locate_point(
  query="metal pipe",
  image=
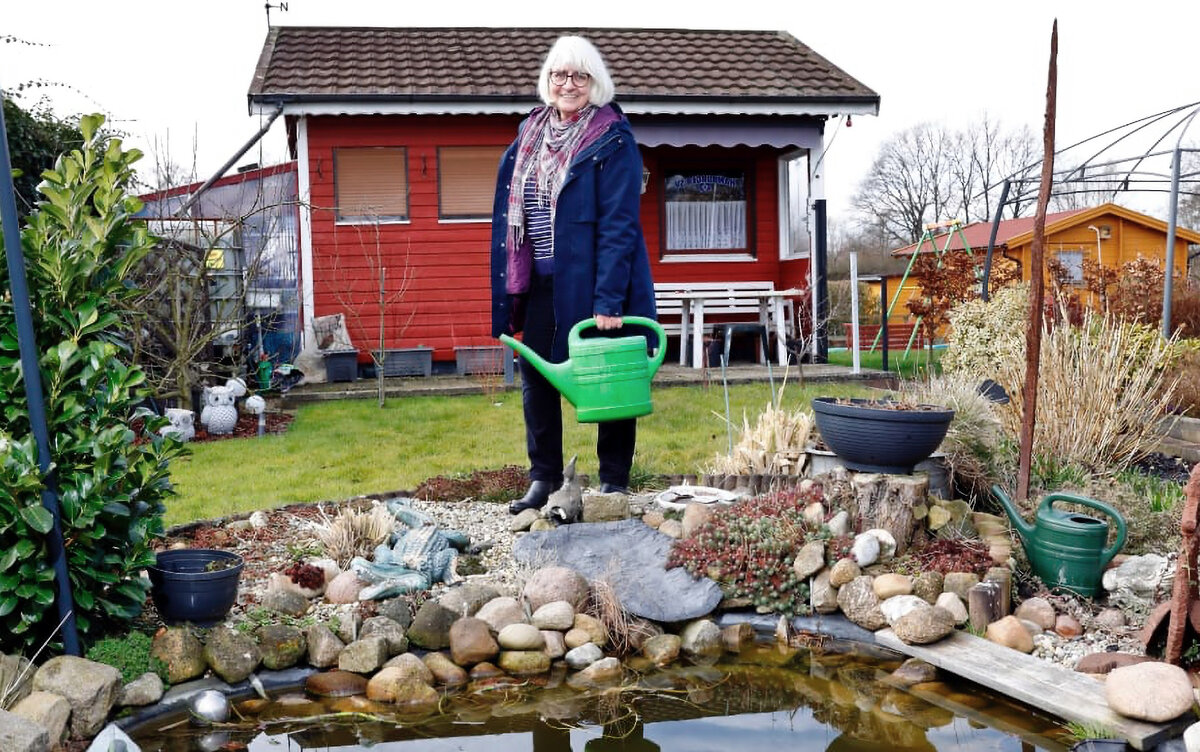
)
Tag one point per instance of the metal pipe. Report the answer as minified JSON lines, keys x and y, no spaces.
{"x":987,"y":263}
{"x":27,"y":345}
{"x":821,"y":324}
{"x":1099,"y":253}
{"x":229,"y":163}
{"x":1172,"y":218}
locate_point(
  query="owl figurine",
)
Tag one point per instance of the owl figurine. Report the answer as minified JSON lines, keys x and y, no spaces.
{"x":219,"y":415}
{"x":182,"y":425}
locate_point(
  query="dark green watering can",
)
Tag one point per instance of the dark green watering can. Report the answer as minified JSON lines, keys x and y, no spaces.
{"x":1066,"y":549}
{"x":605,"y":378}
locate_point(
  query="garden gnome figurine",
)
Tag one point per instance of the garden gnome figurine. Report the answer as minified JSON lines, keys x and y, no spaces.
{"x":566,"y":504}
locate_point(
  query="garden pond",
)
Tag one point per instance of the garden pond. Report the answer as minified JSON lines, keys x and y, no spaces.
{"x":822,"y":697}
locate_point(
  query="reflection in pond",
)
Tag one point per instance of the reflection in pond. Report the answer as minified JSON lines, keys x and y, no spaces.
{"x":766,"y":698}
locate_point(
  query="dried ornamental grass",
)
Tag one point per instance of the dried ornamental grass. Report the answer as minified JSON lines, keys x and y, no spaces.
{"x":355,"y":532}
{"x":1102,"y":391}
{"x":774,"y":445}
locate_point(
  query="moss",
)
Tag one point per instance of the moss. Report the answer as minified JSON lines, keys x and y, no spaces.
{"x":129,"y":654}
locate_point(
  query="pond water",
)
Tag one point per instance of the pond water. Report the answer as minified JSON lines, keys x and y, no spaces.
{"x":767,"y":698}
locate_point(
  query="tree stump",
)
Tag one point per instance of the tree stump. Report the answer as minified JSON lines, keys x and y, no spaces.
{"x":887,"y":501}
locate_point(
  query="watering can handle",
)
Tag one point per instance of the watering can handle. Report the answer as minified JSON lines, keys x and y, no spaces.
{"x":1107,"y":554}
{"x":660,"y":352}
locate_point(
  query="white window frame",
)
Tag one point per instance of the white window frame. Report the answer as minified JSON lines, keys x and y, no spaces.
{"x":795,"y":190}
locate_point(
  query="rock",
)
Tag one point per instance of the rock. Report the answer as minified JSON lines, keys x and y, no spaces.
{"x":521,"y":637}
{"x":181,"y":651}
{"x":467,"y":598}
{"x":16,"y":676}
{"x":550,"y":584}
{"x":19,"y":734}
{"x":282,"y":646}
{"x":576,"y":637}
{"x":839,"y":524}
{"x":484,"y":670}
{"x":287,"y":602}
{"x":887,"y":543}
{"x":556,"y":646}
{"x":924,"y":625}
{"x":899,"y":605}
{"x":500,"y":612}
{"x":865,"y":549}
{"x":891,"y":584}
{"x":49,"y":711}
{"x":695,"y":515}
{"x":1152,"y":691}
{"x":960,"y":583}
{"x":843,"y":571}
{"x":336,"y":683}
{"x":612,"y":507}
{"x":1037,"y":610}
{"x":858,"y":602}
{"x":388,"y":629}
{"x":1191,"y":738}
{"x":524,"y":520}
{"x":583,"y":656}
{"x":147,"y":689}
{"x":653,"y":518}
{"x":632,"y":557}
{"x":444,"y":670}
{"x":1110,"y":618}
{"x":323,"y":646}
{"x":1104,"y":662}
{"x":280,"y":582}
{"x":344,"y":588}
{"x":349,"y":621}
{"x":595,"y":629}
{"x":672,"y":529}
{"x":471,"y":642}
{"x":814,"y":514}
{"x":810,"y":559}
{"x":736,"y":637}
{"x":1138,"y":576}
{"x":412,"y":667}
{"x":1068,"y":626}
{"x":914,"y":671}
{"x":363,"y":656}
{"x":701,"y":637}
{"x":91,"y":689}
{"x":400,"y":609}
{"x":554,"y":615}
{"x":386,"y":686}
{"x":541,"y":525}
{"x":955,"y":606}
{"x":822,"y":596}
{"x":231,"y":655}
{"x":662,"y":649}
{"x":1010,"y":633}
{"x":431,"y":626}
{"x":928,"y":586}
{"x":603,"y":671}
{"x":524,"y":662}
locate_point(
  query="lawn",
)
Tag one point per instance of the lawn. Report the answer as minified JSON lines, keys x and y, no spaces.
{"x":339,"y":449}
{"x":914,"y":363}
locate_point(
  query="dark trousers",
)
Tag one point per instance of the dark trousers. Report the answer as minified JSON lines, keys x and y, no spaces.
{"x":615,"y":439}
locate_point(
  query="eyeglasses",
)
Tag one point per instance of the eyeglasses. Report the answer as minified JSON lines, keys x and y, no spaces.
{"x":558,"y":77}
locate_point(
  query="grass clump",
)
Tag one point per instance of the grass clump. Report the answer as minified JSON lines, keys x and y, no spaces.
{"x":129,"y":654}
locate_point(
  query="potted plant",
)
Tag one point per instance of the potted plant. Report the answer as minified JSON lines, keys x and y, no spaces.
{"x":197,"y":585}
{"x":880,"y":436}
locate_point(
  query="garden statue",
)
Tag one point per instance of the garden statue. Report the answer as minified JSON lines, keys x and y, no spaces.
{"x":182,"y":425}
{"x":219,"y":415}
{"x":412,"y":560}
{"x":566,"y":504}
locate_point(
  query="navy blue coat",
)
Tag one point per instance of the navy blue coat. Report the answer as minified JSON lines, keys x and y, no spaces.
{"x":600,"y":259}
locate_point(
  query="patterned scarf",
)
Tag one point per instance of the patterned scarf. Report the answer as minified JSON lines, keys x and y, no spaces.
{"x":545,"y":149}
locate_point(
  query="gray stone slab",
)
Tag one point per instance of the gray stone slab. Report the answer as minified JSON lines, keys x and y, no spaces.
{"x":632,"y":557}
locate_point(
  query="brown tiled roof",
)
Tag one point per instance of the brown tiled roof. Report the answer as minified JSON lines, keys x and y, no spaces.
{"x":977,"y":234}
{"x":341,"y":64}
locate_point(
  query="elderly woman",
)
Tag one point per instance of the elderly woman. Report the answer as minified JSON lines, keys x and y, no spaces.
{"x":567,"y":244}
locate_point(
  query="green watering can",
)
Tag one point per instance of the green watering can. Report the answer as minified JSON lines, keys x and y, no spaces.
{"x":605,"y":378}
{"x":1066,"y":549}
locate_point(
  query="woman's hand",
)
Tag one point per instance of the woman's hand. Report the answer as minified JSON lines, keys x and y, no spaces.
{"x":607,"y":322}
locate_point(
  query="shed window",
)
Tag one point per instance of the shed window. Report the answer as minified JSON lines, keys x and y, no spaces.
{"x":706,"y":211}
{"x":1072,"y":261}
{"x":371,"y":184}
{"x":467,"y":181}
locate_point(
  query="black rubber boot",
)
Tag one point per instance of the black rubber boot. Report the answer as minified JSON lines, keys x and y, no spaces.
{"x":535,"y":498}
{"x":610,"y":488}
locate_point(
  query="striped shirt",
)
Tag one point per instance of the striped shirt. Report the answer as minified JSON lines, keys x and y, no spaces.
{"x":538,"y":227}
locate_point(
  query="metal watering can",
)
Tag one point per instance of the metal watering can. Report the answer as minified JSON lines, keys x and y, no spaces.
{"x":605,"y":378}
{"x":1066,"y":549}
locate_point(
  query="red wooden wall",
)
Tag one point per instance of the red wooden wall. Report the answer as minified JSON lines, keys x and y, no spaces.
{"x":445,"y":265}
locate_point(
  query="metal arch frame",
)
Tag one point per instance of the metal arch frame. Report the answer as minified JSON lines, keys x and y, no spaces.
{"x":1132,"y":178}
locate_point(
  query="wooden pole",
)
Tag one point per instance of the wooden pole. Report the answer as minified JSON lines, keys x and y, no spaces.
{"x":1033,"y":332}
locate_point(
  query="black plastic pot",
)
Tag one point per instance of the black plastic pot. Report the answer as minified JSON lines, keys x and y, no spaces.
{"x":196,"y":585}
{"x":876,"y":437}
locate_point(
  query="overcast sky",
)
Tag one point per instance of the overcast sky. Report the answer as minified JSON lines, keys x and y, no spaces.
{"x":174,"y":75}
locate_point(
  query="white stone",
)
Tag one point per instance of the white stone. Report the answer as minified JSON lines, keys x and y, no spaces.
{"x":865,"y":549}
{"x":554,"y":615}
{"x":583,"y":656}
{"x":1155,"y":692}
{"x":887,"y":543}
{"x":839,"y":524}
{"x":521,"y":637}
{"x":1191,"y":738}
{"x":897,"y":606}
{"x":955,"y":606}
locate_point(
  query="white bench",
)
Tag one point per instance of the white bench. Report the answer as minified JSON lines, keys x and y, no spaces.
{"x":735,"y":302}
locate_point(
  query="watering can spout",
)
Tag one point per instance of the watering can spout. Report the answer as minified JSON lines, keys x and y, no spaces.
{"x":558,"y":374}
{"x":1023,"y":528}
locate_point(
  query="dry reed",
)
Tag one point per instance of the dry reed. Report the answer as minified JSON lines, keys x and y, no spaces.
{"x":774,"y":445}
{"x":354,"y":532}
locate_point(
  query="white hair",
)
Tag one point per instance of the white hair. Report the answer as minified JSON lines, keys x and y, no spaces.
{"x":582,"y":55}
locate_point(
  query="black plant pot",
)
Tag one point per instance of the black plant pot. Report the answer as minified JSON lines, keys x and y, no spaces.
{"x":874,"y":436}
{"x":196,"y":585}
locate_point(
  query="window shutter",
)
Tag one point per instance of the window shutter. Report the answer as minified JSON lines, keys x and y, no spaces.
{"x":371,"y":184}
{"x":467,"y":181}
